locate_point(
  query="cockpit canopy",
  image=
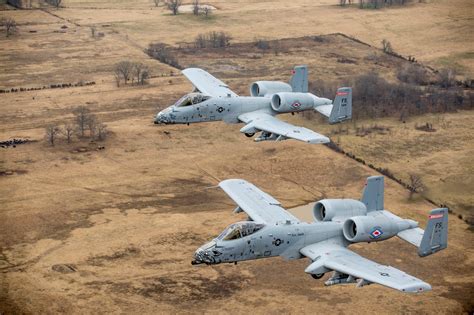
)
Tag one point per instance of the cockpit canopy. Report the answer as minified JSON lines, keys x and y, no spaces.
{"x":191,"y":99}
{"x":239,"y":229}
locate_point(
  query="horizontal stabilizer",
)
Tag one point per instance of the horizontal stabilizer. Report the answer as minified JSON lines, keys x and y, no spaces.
{"x":412,"y":236}
{"x":324,"y":110}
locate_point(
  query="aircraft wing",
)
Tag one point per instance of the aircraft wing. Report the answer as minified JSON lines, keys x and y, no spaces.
{"x":207,"y":83}
{"x":265,"y":122}
{"x":259,"y":206}
{"x":340,"y":259}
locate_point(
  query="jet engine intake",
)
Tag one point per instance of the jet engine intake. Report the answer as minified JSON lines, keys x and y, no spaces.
{"x":339,"y":209}
{"x":292,"y":102}
{"x":369,"y":229}
{"x":263,"y":88}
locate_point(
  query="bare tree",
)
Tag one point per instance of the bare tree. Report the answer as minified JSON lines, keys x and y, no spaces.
{"x":52,"y":132}
{"x":9,"y":24}
{"x":83,"y":115}
{"x":145,"y":76}
{"x":93,"y":31}
{"x":101,"y":130}
{"x":123,"y":70}
{"x":342,"y":3}
{"x":140,"y":72}
{"x":207,"y":11}
{"x":127,"y":70}
{"x":196,"y":7}
{"x":200,"y":41}
{"x":92,"y":125}
{"x":173,"y":6}
{"x":157,"y":2}
{"x":386,"y":46}
{"x":117,"y":76}
{"x":416,"y":185}
{"x":68,"y":131}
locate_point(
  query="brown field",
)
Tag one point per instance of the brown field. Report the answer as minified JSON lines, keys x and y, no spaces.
{"x":436,"y":32}
{"x":114,"y":230}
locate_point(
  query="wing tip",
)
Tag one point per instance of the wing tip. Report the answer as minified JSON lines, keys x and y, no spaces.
{"x":231,"y":180}
{"x":321,"y":140}
{"x":417,"y":287}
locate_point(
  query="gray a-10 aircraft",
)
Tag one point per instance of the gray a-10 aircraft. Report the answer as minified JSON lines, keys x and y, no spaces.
{"x":272,"y":231}
{"x":213,"y":100}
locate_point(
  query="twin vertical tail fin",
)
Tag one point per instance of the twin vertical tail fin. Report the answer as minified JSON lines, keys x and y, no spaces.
{"x":338,"y":111}
{"x":342,"y":106}
{"x":372,"y":195}
{"x":299,"y":80}
{"x":435,"y":237}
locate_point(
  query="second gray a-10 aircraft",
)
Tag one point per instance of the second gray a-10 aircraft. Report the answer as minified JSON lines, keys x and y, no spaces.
{"x":213,"y":100}
{"x":272,"y":231}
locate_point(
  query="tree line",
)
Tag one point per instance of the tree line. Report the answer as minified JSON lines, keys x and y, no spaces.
{"x":376,"y":97}
{"x":375,"y":4}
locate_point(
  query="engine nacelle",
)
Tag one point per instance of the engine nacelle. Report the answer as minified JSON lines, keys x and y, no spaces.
{"x":369,"y":228}
{"x":262,"y":88}
{"x":292,"y":102}
{"x":328,"y":209}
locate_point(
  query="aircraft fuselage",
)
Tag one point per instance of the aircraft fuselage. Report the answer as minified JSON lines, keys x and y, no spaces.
{"x":283,"y":239}
{"x":227,"y":109}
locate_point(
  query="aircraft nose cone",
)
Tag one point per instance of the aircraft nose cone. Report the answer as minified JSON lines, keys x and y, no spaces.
{"x":205,"y":254}
{"x":202,"y":257}
{"x":165,"y":116}
{"x":161,"y":118}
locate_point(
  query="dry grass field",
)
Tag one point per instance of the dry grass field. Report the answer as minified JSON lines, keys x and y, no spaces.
{"x":436,"y":32}
{"x":84,"y":230}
